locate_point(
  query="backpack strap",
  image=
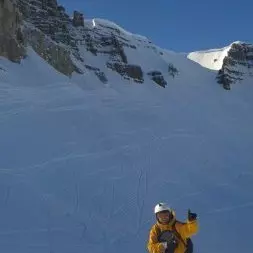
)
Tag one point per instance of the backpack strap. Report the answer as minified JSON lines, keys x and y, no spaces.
{"x":177,"y":234}
{"x":158,"y":230}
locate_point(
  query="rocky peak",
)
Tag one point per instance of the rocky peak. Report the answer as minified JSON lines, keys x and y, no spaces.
{"x":242,"y":53}
{"x":237,"y":64}
{"x":78,"y":19}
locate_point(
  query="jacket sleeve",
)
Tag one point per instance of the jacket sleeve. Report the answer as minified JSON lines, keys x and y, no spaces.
{"x":188,"y":229}
{"x":153,"y":245}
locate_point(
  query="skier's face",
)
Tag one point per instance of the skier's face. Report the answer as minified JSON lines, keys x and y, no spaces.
{"x":164,"y":217}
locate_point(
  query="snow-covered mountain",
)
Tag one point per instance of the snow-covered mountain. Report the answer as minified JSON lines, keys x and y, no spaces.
{"x":74,"y":45}
{"x":98,"y":124}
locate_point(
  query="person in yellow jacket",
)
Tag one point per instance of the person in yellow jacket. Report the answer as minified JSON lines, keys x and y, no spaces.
{"x":161,"y":240}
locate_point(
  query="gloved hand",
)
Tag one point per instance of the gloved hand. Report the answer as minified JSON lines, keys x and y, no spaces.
{"x":164,"y":245}
{"x":191,"y":216}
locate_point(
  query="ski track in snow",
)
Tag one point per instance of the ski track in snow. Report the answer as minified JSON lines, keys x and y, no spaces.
{"x":94,"y":155}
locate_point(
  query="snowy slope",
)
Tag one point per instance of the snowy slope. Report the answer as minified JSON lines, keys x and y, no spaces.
{"x":83,"y":164}
{"x":96,"y":22}
{"x":211,"y":59}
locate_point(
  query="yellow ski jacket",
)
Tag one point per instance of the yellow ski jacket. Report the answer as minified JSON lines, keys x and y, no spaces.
{"x":186,"y":230}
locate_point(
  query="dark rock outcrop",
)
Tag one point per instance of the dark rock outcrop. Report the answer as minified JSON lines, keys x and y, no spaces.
{"x":50,"y":51}
{"x":46,"y":30}
{"x":172,"y":70}
{"x":78,"y":19}
{"x":158,"y":78}
{"x":128,"y":71}
{"x":11,"y":38}
{"x":100,"y":74}
{"x":236,"y":64}
{"x":49,"y":18}
{"x":118,"y":49}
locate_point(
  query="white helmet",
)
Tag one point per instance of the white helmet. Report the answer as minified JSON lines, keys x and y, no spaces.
{"x":161,"y":207}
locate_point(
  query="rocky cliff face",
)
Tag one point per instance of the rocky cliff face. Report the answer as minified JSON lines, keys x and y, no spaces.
{"x":67,"y":43}
{"x":236,"y":65}
{"x":58,"y":38}
{"x":46,"y":30}
{"x":11,"y":39}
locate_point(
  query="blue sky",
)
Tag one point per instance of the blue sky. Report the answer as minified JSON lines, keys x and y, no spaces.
{"x":179,"y":25}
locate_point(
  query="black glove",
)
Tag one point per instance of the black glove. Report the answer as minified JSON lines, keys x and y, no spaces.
{"x":191,"y":216}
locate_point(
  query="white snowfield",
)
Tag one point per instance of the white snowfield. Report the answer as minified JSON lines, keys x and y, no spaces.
{"x":211,"y":59}
{"x":82,"y":164}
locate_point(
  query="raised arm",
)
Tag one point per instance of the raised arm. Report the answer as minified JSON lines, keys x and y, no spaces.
{"x":191,"y":226}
